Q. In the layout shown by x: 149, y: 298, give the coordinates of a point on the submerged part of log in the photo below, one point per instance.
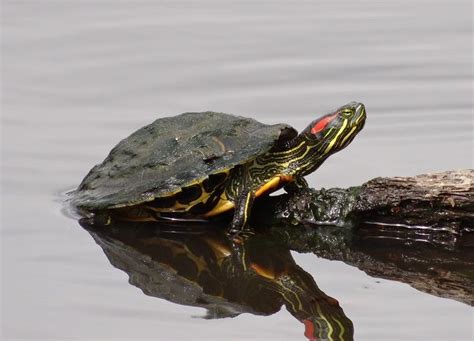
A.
x: 437, y: 208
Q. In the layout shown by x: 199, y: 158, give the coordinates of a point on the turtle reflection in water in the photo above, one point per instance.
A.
x: 205, y: 270
x: 199, y: 165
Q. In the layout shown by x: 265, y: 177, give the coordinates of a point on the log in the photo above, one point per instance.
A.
x: 416, y: 230
x: 437, y: 208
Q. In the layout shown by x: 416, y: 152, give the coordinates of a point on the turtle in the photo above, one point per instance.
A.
x: 199, y: 165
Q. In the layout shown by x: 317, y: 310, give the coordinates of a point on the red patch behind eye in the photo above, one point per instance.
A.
x: 309, y: 330
x: 322, y: 124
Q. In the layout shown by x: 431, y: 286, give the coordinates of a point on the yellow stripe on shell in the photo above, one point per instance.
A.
x: 222, y: 206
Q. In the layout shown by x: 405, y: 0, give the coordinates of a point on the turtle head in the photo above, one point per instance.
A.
x: 331, y: 133
x: 336, y: 130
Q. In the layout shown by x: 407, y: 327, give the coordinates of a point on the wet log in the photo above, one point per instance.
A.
x: 437, y: 208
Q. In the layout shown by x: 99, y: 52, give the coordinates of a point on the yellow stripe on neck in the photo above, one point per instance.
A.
x: 348, y: 135
x: 329, y: 147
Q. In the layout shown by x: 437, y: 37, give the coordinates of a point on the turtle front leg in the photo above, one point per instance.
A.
x: 242, y: 210
x: 298, y: 184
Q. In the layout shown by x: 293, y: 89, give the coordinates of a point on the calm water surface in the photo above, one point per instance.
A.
x: 79, y: 76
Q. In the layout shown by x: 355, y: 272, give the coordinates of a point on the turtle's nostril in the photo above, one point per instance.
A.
x: 360, y: 109
x: 360, y: 114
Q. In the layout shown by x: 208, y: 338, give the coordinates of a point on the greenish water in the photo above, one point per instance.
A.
x: 79, y: 76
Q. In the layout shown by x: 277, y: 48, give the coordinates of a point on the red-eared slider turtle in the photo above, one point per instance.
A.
x: 198, y: 165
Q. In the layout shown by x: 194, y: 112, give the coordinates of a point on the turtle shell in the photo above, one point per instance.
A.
x: 170, y: 153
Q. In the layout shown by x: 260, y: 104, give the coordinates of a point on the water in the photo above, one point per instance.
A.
x: 79, y: 76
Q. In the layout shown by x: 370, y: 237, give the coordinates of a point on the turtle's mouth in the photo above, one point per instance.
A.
x: 359, y: 116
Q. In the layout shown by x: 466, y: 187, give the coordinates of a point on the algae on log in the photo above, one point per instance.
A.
x: 437, y: 206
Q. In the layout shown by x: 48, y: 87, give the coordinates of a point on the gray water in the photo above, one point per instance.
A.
x: 77, y: 76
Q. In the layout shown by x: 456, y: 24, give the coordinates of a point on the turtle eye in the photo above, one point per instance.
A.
x: 322, y: 123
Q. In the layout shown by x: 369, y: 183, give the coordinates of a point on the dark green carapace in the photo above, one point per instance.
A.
x: 171, y: 153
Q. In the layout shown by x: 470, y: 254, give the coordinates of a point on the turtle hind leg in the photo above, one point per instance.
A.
x: 242, y: 210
